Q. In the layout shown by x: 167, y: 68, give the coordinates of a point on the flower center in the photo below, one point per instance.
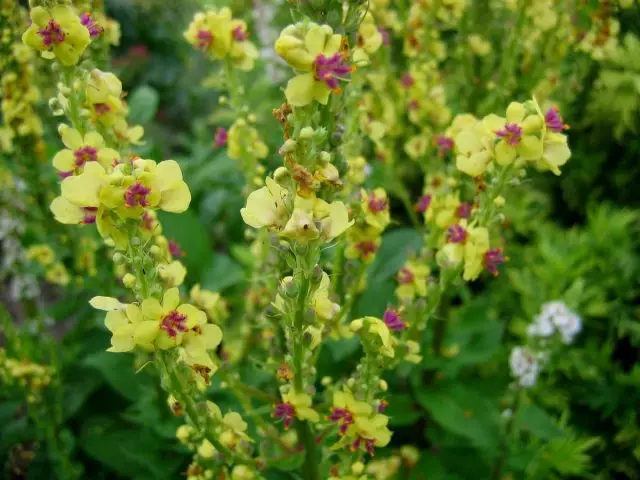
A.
x: 344, y: 417
x: 377, y: 205
x: 286, y: 412
x: 174, y: 249
x: 423, y: 204
x: 456, y: 234
x: 52, y: 34
x: 205, y: 39
x: 94, y: 29
x: 407, y: 80
x: 405, y: 275
x: 101, y: 108
x: 493, y: 258
x: 367, y: 247
x: 554, y: 120
x: 239, y: 34
x: 84, y: 155
x: 444, y: 143
x: 89, y: 215
x: 393, y: 320
x: 137, y: 195
x: 464, y: 210
x: 331, y: 70
x: 221, y: 137
x: 174, y: 322
x: 511, y: 133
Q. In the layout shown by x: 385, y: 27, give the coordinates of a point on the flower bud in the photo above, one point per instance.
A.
x: 118, y: 258
x: 307, y: 133
x: 357, y: 468
x: 316, y: 276
x: 129, y: 280
x: 281, y: 175
x: 290, y: 289
x: 499, y: 201
x: 288, y: 146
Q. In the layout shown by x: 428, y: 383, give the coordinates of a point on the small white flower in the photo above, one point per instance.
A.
x: 542, y: 326
x: 569, y: 325
x: 524, y: 366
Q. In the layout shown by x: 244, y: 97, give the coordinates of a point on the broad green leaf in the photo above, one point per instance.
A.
x: 118, y: 371
x: 538, y: 422
x: 143, y: 105
x: 393, y: 253
x: 402, y: 410
x: 222, y: 272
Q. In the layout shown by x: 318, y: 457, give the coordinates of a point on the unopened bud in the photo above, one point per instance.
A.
x: 499, y: 201
x: 118, y: 258
x: 288, y: 146
x: 306, y: 133
x: 290, y: 289
x: 129, y: 280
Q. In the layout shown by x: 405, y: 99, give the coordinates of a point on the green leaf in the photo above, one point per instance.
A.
x: 143, y: 105
x: 538, y: 422
x: 79, y: 384
x: 117, y: 369
x: 393, y: 253
x: 402, y: 410
x: 375, y: 299
x: 464, y: 412
x: 223, y: 272
x: 193, y: 239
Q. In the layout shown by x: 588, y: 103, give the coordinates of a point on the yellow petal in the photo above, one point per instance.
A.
x: 70, y: 137
x: 170, y: 300
x: 106, y: 303
x: 146, y: 332
x: 115, y: 320
x: 66, y: 212
x: 177, y: 199
x: 93, y: 139
x: 300, y: 90
x: 151, y: 309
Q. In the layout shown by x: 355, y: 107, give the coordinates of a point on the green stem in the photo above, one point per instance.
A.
x: 310, y: 469
x: 502, y: 455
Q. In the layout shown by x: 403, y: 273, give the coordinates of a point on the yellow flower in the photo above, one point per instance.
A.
x: 475, y: 149
x: 266, y: 206
x: 210, y: 302
x: 413, y: 352
x: 555, y: 152
x: 57, y: 275
x: 357, y: 171
x: 242, y: 472
x: 211, y: 32
x: 321, y: 303
x: 169, y: 321
x: 344, y: 400
x: 517, y: 134
x: 243, y: 137
x: 412, y: 280
x: 479, y: 45
x: 57, y: 32
x: 375, y: 208
x: 363, y: 243
x: 313, y: 51
x: 43, y: 254
x: 377, y: 328
x: 80, y: 150
x: 369, y: 40
x: 302, y: 404
x: 197, y: 342
x: 172, y: 273
x: 103, y: 98
x: 372, y: 430
x: 416, y: 146
x: 243, y: 53
x: 125, y: 323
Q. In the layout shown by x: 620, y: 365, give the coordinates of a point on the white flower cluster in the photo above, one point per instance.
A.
x: 525, y: 365
x: 556, y: 317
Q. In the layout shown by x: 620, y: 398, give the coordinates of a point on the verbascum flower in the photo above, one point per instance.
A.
x: 518, y: 134
x: 479, y: 45
x: 346, y: 409
x: 125, y: 322
x: 474, y: 147
x: 80, y: 150
x: 369, y: 40
x: 243, y: 53
x: 295, y: 405
x: 243, y: 137
x: 43, y: 254
x: 412, y: 280
x: 210, y: 302
x: 57, y: 274
x: 211, y: 32
x: 57, y: 32
x: 321, y: 303
x: 313, y: 218
x: 315, y: 52
x: 103, y: 98
x: 376, y: 208
x: 363, y: 243
x: 376, y: 329
x: 471, y: 246
x: 266, y: 207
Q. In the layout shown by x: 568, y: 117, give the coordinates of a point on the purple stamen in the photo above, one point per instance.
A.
x: 377, y: 205
x: 331, y: 69
x: 89, y: 215
x: 444, y: 143
x: 174, y: 249
x: 405, y: 275
x: 393, y: 320
x: 205, y: 39
x: 554, y: 120
x: 101, y: 108
x: 386, y: 40
x: 137, y: 195
x: 464, y: 210
x: 344, y: 417
x: 456, y: 234
x: 492, y: 259
x: 511, y: 133
x: 174, y: 322
x: 423, y: 204
x: 407, y: 80
x: 366, y: 248
x: 64, y: 175
x: 286, y: 412
x: 221, y: 137
x: 93, y: 27
x: 382, y: 406
x: 84, y: 155
x: 52, y: 34
x: 239, y: 34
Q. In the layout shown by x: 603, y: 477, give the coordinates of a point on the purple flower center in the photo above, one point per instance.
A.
x: 413, y: 104
x: 174, y: 322
x: 331, y: 70
x: 174, y: 249
x: 423, y: 204
x: 393, y: 320
x: 93, y: 27
x: 205, y: 39
x: 386, y: 40
x: 285, y: 412
x: 407, y: 80
x: 136, y: 194
x: 369, y: 444
x: 64, y: 175
x: 377, y: 205
x: 240, y: 34
x: 344, y: 417
x: 52, y: 34
x: 511, y: 133
x: 554, y: 120
x: 444, y: 143
x: 456, y: 234
x: 101, y: 108
x: 148, y: 222
x: 84, y: 155
x: 464, y: 210
x: 405, y: 275
x: 89, y: 215
x: 493, y: 258
x: 383, y: 406
x: 366, y: 248
x: 221, y: 137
